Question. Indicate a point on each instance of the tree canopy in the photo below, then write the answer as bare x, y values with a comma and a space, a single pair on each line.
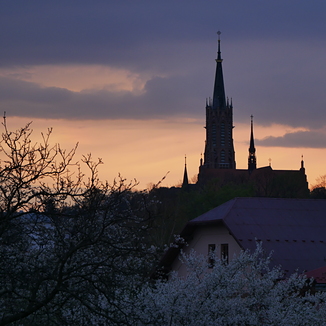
245, 291
71, 246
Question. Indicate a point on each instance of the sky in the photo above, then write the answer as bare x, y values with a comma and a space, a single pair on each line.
128, 80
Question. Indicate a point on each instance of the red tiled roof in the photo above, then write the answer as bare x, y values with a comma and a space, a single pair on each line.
318, 274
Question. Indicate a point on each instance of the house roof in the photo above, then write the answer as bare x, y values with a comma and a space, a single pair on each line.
318, 274
294, 229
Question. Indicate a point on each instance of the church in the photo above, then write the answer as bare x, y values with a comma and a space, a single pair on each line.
219, 164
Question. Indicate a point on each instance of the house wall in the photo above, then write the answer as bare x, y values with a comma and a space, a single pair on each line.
205, 236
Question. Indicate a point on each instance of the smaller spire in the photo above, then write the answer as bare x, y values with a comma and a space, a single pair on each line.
252, 150
185, 182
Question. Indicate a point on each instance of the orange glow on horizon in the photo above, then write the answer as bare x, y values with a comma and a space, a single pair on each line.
148, 150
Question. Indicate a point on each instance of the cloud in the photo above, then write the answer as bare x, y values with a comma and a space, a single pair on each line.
136, 34
273, 53
299, 139
160, 98
281, 82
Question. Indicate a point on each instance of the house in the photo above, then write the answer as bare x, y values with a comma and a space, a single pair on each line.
293, 229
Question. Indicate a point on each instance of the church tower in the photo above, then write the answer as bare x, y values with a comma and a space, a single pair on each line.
219, 149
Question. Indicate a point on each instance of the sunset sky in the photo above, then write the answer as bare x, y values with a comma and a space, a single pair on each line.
128, 80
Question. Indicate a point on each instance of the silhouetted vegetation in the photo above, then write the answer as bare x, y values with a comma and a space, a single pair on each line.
72, 248
318, 190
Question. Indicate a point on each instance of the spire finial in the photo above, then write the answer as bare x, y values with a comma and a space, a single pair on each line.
218, 33
219, 46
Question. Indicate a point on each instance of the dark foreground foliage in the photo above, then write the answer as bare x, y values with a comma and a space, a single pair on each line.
69, 244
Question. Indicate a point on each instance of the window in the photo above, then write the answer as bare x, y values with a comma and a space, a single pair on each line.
223, 156
211, 254
214, 134
222, 134
225, 252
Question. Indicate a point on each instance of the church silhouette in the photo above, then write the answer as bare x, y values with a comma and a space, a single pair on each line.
219, 165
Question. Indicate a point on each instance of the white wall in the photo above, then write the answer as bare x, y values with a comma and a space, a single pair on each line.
202, 238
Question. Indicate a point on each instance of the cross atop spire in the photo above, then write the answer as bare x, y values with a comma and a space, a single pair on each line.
219, 46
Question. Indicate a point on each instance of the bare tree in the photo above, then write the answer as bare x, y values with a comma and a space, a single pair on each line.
318, 190
320, 182
72, 248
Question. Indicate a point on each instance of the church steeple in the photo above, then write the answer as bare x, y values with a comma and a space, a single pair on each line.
219, 149
185, 182
252, 150
219, 92
302, 169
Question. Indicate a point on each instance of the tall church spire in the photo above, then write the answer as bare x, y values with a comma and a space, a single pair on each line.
219, 149
252, 150
219, 92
